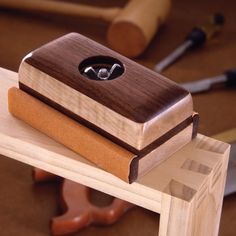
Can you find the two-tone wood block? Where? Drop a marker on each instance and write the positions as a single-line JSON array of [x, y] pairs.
[[139, 110]]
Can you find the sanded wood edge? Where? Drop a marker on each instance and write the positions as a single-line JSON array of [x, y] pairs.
[[165, 151], [142, 165], [137, 135]]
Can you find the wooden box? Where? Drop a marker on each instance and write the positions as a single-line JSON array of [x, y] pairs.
[[134, 107]]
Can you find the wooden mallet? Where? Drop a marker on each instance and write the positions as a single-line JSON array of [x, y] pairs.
[[132, 27]]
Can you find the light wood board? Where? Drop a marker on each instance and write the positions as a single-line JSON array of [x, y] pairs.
[[187, 189]]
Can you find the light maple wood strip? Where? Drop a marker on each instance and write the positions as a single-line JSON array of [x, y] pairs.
[[188, 195], [166, 149]]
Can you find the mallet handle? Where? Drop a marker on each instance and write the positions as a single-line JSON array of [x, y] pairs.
[[47, 6]]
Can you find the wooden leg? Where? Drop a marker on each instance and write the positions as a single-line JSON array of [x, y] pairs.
[[191, 218], [176, 213], [188, 212]]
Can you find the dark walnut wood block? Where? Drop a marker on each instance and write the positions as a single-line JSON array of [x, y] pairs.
[[134, 107]]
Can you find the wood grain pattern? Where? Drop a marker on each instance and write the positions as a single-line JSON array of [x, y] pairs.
[[138, 107], [192, 165], [198, 214], [180, 214]]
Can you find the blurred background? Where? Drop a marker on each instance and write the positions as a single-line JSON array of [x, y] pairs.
[[26, 208]]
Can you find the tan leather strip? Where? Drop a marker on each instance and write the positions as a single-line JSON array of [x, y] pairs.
[[94, 147]]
